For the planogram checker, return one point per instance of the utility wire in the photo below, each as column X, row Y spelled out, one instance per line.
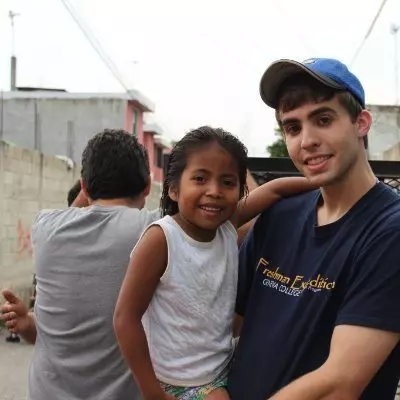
column 297, row 31
column 96, row 45
column 371, row 27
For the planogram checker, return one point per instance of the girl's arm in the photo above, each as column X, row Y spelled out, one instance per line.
column 265, row 195
column 147, row 265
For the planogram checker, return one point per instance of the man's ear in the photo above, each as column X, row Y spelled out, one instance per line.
column 147, row 189
column 84, row 189
column 82, row 199
column 364, row 122
column 173, row 193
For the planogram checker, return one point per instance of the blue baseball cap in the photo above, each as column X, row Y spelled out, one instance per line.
column 328, row 71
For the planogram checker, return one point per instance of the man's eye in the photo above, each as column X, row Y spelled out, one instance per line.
column 292, row 129
column 324, row 121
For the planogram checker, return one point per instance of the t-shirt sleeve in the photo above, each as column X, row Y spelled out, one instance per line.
column 373, row 296
column 248, row 256
column 41, row 219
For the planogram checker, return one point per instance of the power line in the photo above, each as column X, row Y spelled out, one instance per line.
column 96, row 45
column 297, row 31
column 394, row 31
column 371, row 27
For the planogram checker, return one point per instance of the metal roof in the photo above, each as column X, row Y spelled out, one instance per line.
column 133, row 95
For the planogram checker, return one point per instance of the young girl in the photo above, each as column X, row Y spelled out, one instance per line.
column 182, row 278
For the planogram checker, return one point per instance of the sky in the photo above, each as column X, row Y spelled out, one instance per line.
column 199, row 61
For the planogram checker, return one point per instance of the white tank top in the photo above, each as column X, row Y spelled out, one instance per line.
column 189, row 321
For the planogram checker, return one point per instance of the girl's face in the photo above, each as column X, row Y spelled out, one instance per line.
column 208, row 192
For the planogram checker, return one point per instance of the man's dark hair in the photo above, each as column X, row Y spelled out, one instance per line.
column 115, row 165
column 302, row 88
column 73, row 193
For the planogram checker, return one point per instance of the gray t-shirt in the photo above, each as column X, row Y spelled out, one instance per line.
column 81, row 256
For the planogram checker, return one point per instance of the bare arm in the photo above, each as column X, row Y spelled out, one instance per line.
column 265, row 195
column 237, row 325
column 143, row 275
column 244, row 230
column 17, row 317
column 356, row 355
column 29, row 335
column 251, row 182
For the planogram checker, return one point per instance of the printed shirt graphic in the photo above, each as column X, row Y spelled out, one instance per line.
column 297, row 281
column 292, row 286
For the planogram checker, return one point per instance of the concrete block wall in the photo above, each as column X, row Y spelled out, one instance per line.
column 392, row 154
column 385, row 130
column 29, row 182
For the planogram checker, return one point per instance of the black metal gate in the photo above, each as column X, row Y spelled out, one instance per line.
column 266, row 169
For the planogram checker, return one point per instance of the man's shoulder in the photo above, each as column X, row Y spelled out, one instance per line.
column 48, row 214
column 70, row 213
column 285, row 207
column 149, row 216
column 285, row 217
column 384, row 210
column 379, row 213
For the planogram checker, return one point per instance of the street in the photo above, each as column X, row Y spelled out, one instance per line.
column 14, row 364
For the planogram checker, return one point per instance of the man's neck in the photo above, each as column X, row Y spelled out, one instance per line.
column 339, row 198
column 127, row 202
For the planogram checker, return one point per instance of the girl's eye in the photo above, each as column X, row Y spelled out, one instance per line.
column 198, row 179
column 229, row 183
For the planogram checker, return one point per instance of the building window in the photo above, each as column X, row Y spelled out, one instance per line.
column 158, row 151
column 135, row 121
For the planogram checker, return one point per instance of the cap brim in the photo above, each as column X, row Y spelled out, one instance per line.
column 280, row 71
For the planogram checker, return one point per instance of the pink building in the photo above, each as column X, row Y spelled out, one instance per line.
column 150, row 135
column 156, row 146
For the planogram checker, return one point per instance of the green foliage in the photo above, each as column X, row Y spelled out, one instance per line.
column 278, row 148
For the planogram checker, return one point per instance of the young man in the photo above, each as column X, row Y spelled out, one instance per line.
column 81, row 256
column 319, row 280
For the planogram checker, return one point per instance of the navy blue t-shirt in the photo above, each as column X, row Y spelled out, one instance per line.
column 297, row 281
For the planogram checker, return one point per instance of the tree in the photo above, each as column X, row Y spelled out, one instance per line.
column 278, row 148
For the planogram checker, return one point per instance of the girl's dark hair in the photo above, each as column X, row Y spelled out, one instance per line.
column 191, row 142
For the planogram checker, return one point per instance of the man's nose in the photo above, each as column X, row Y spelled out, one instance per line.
column 309, row 137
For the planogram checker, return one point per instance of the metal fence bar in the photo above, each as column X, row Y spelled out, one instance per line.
column 265, row 169
column 284, row 166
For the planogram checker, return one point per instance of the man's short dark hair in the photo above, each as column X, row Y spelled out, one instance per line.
column 115, row 165
column 302, row 88
column 73, row 193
